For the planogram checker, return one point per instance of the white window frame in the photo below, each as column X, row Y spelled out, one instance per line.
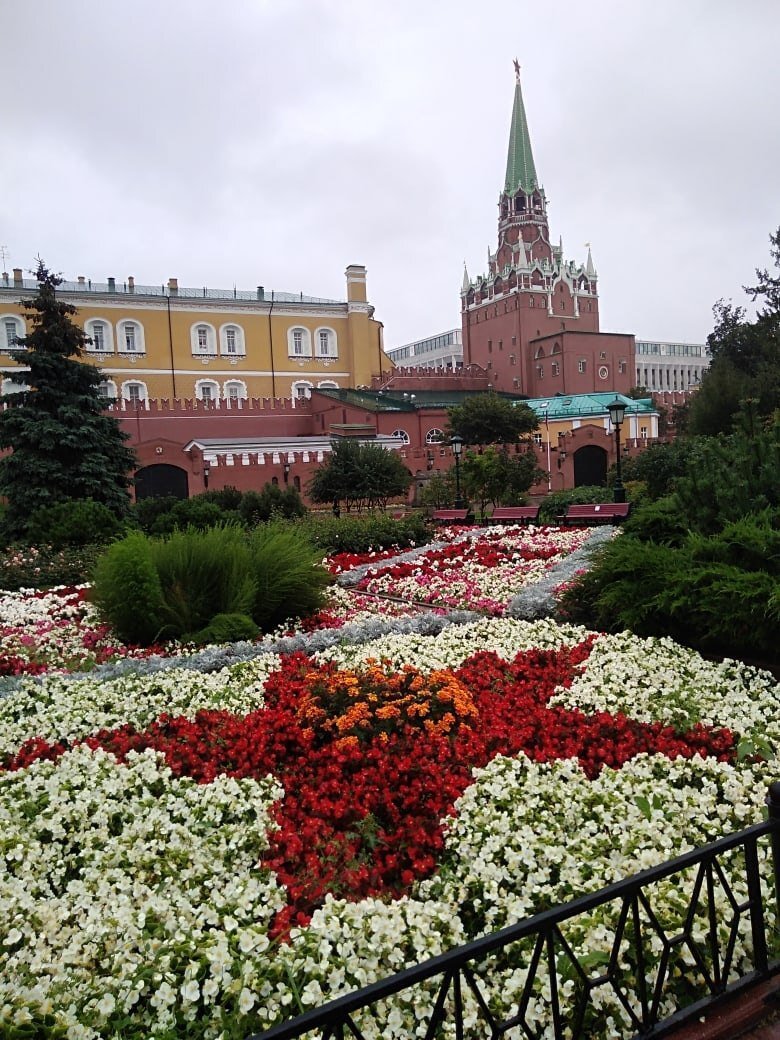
column 299, row 385
column 582, row 366
column 305, row 342
column 435, row 436
column 239, row 342
column 129, row 384
column 403, row 435
column 213, row 386
column 327, row 384
column 137, row 328
column 5, row 346
column 110, row 390
column 332, row 342
column 108, row 336
column 239, row 385
column 209, row 336
column 12, row 386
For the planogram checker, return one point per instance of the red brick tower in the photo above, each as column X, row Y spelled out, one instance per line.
column 533, row 320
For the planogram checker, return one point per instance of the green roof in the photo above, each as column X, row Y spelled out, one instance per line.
column 407, row 401
column 582, row 405
column 520, row 169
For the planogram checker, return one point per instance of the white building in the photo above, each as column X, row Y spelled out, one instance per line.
column 442, row 351
column 670, row 366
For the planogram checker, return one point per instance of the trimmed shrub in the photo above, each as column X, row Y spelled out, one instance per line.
column 226, row 628
column 289, row 580
column 202, row 574
column 71, row 523
column 214, row 586
column 556, row 503
column 190, row 512
column 358, row 534
column 128, row 592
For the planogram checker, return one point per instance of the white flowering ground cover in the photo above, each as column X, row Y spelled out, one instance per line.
column 132, row 903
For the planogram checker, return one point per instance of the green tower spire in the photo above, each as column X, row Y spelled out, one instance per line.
column 520, row 169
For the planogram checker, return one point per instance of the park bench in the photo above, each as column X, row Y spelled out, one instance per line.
column 450, row 516
column 514, row 515
column 596, row 513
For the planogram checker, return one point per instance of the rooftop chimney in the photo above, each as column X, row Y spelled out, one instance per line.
column 82, row 280
column 18, row 279
column 173, row 286
column 130, row 283
column 112, row 284
column 261, row 292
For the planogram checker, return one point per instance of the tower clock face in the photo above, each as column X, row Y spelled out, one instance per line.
column 603, row 372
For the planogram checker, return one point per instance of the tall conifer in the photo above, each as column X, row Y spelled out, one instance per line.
column 65, row 446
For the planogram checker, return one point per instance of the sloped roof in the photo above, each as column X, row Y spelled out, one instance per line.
column 577, row 406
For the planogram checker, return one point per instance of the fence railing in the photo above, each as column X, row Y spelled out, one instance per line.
column 465, row 988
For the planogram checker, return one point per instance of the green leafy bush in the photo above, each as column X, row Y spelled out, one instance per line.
column 72, row 522
column 30, row 567
column 146, row 511
column 358, row 534
column 289, row 581
column 752, row 543
column 257, row 507
column 226, row 628
column 658, row 590
column 210, row 585
column 128, row 592
column 556, row 503
column 194, row 512
column 660, row 521
column 227, row 498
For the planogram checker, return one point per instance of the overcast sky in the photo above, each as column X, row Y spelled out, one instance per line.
column 273, row 142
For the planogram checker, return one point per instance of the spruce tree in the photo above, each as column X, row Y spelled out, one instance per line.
column 65, row 446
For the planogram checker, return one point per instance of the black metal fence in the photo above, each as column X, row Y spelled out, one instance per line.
column 721, row 898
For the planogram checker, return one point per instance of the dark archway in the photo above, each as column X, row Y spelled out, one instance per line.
column 161, row 480
column 590, row 466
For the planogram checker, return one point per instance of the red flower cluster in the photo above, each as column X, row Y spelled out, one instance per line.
column 362, row 817
column 346, row 561
column 484, row 552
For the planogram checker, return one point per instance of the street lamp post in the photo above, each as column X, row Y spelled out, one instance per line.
column 287, row 472
column 617, row 413
column 457, row 448
column 206, row 474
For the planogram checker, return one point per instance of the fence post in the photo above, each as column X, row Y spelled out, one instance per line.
column 773, row 803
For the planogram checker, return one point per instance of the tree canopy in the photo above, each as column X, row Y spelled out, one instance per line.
column 65, row 446
column 360, row 475
column 500, row 477
column 745, row 357
column 490, row 419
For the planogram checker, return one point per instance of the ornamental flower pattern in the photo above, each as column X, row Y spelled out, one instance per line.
column 206, row 850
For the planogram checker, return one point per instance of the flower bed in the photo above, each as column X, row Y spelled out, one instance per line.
column 480, row 572
column 201, row 854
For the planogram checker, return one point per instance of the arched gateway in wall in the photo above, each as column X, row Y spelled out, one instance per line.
column 590, row 466
column 160, row 480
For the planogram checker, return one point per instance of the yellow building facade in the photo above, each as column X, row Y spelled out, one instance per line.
column 171, row 343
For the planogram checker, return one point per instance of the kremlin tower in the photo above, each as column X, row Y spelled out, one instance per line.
column 532, row 320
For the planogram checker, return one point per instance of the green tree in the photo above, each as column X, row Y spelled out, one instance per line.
column 363, row 476
column 65, row 446
column 499, row 477
column 745, row 358
column 490, row 419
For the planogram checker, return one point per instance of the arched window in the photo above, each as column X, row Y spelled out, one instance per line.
column 11, row 331
column 539, row 353
column 207, row 390
column 231, row 338
column 556, row 348
column 402, row 434
column 301, row 391
column 134, row 391
column 130, row 337
column 325, row 343
column 328, row 384
column 434, row 436
column 107, row 389
column 298, row 342
column 203, row 338
column 235, row 390
column 100, row 332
